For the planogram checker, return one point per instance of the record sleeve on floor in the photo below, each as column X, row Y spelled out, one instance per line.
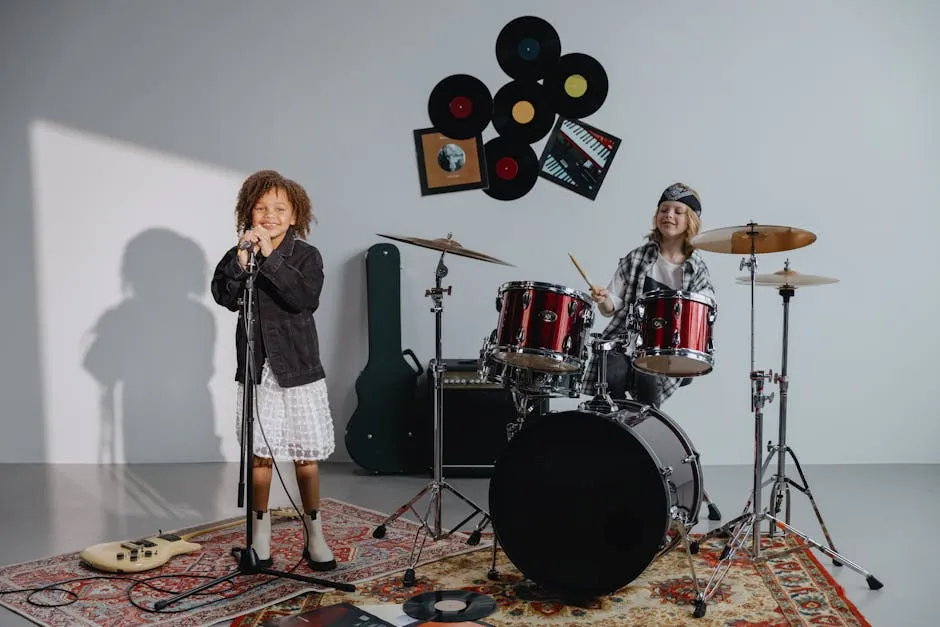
column 578, row 156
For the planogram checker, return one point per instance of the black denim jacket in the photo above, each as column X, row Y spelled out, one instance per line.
column 287, row 292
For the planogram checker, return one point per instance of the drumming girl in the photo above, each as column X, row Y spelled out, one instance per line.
column 666, row 262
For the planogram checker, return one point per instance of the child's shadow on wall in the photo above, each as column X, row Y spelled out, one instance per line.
column 152, row 356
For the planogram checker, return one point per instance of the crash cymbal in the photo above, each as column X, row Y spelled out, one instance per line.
column 786, row 278
column 736, row 240
column 446, row 244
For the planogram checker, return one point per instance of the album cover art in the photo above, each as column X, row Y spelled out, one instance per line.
column 578, row 156
column 449, row 165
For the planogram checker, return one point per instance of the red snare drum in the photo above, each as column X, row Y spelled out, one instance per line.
column 674, row 337
column 542, row 326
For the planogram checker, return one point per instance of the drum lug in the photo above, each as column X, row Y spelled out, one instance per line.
column 525, row 300
column 677, row 308
column 710, row 347
column 675, row 337
column 567, row 344
column 499, row 303
column 691, row 458
column 520, row 335
column 572, row 308
column 666, row 472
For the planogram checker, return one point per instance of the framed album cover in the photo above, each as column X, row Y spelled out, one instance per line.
column 449, row 165
column 577, row 156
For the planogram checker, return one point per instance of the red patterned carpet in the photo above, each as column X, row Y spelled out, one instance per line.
column 117, row 601
column 792, row 590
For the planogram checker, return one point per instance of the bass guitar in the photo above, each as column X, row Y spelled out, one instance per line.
column 134, row 556
column 383, row 433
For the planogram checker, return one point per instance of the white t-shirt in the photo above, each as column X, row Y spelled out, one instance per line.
column 667, row 273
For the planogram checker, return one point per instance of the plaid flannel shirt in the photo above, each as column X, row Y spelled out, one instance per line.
column 630, row 277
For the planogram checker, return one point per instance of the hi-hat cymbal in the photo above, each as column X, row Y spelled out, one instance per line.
column 736, row 240
column 786, row 278
column 446, row 244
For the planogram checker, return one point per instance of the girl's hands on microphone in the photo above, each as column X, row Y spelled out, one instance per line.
column 261, row 240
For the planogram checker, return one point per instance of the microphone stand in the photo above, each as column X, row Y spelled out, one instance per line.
column 248, row 562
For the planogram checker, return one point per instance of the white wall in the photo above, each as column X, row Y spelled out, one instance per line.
column 138, row 117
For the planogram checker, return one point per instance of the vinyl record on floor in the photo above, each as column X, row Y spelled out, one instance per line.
column 449, row 606
column 460, row 106
column 512, row 166
column 576, row 86
column 522, row 111
column 527, row 47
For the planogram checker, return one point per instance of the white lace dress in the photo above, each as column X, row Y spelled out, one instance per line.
column 292, row 423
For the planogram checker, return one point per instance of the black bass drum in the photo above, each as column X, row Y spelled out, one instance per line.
column 583, row 502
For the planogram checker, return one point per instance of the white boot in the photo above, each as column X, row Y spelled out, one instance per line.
column 261, row 537
column 317, row 552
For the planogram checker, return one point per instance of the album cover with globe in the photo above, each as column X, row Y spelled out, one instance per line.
column 449, row 165
column 578, row 156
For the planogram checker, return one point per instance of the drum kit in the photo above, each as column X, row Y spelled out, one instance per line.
column 583, row 501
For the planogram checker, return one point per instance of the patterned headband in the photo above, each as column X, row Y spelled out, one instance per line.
column 680, row 193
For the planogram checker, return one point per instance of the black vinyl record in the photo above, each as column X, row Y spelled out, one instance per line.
column 512, row 167
column 522, row 111
column 576, row 86
column 460, row 106
column 449, row 606
column 527, row 47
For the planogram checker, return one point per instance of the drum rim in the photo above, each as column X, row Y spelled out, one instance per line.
column 695, row 355
column 681, row 294
column 555, row 356
column 550, row 287
column 684, row 438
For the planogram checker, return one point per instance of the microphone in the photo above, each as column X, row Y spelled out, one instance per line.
column 245, row 245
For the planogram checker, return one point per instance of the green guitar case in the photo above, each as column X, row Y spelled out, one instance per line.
column 384, row 434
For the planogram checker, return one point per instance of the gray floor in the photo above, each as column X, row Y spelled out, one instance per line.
column 880, row 517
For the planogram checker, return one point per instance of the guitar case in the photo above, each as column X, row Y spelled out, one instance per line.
column 384, row 435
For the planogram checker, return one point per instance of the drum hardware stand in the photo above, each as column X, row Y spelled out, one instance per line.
column 436, row 487
column 748, row 524
column 248, row 562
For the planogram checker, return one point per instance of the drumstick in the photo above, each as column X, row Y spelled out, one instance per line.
column 578, row 266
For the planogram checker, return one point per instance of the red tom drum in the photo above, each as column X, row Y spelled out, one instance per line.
column 674, row 334
column 542, row 326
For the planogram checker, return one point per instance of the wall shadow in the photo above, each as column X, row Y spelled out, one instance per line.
column 152, row 356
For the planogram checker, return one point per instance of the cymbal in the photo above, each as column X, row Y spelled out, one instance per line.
column 447, row 245
column 786, row 278
column 736, row 240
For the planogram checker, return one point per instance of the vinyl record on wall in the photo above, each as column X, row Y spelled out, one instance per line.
column 512, row 168
column 527, row 47
column 522, row 111
column 576, row 86
column 460, row 106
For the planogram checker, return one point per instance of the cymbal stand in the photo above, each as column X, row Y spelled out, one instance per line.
column 436, row 487
column 748, row 524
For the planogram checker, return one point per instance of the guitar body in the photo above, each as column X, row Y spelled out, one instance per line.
column 383, row 433
column 135, row 556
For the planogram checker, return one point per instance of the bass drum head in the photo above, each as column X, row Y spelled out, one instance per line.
column 578, row 503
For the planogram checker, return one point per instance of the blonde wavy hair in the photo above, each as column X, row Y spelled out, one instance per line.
column 695, row 223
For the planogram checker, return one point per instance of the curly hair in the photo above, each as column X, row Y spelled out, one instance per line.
column 257, row 185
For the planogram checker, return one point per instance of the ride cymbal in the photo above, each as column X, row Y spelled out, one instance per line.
column 446, row 244
column 737, row 240
column 786, row 278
